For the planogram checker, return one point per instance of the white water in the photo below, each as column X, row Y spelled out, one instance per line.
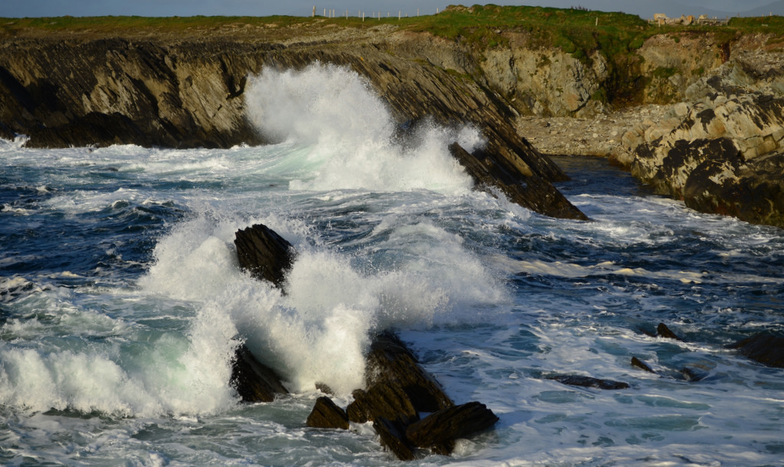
column 121, row 300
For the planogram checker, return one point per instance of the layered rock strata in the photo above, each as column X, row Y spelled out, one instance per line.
column 190, row 93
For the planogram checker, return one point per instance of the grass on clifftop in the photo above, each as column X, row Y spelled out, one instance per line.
column 576, row 31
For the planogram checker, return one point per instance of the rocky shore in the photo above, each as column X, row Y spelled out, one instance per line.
column 695, row 113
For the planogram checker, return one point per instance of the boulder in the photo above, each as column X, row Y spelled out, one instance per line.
column 264, row 254
column 326, row 414
column 439, row 431
column 589, row 382
column 254, row 381
column 765, row 347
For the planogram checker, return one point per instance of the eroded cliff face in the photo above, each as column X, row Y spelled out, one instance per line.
column 190, row 92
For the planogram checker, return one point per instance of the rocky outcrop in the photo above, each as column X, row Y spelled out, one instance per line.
column 546, row 81
column 263, row 253
column 589, row 382
column 719, row 155
column 189, row 92
column 765, row 347
column 326, row 414
column 397, row 388
column 253, row 380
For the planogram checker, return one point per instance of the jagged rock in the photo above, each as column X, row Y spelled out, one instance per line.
column 439, row 430
column 326, row 414
column 264, row 253
column 765, row 347
column 391, row 363
column 393, row 437
column 636, row 362
column 382, row 401
column 189, row 92
column 724, row 155
column 521, row 190
column 663, row 331
column 254, row 381
column 589, row 382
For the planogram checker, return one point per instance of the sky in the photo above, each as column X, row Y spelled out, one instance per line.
column 643, row 8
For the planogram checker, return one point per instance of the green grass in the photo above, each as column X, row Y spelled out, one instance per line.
column 582, row 33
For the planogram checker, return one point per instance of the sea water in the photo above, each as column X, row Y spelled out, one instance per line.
column 121, row 300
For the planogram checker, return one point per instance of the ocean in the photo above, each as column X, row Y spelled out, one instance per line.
column 121, row 299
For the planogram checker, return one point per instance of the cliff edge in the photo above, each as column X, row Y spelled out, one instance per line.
column 158, row 88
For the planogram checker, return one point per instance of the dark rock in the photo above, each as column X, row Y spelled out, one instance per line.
column 691, row 374
column 391, row 363
column 326, row 414
column 393, row 437
column 382, row 401
column 324, row 388
column 439, row 430
column 663, row 331
column 189, row 92
column 589, row 382
column 766, row 348
column 526, row 190
column 254, row 381
column 264, row 253
column 636, row 362
column 752, row 191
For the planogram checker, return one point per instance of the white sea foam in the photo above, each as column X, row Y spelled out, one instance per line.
column 350, row 133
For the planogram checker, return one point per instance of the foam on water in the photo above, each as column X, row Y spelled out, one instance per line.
column 351, row 133
column 121, row 300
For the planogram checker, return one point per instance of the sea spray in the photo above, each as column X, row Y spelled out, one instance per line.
column 351, row 133
column 320, row 330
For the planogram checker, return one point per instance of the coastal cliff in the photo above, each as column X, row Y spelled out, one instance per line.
column 181, row 83
column 188, row 91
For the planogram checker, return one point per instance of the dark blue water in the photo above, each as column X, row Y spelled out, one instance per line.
column 121, row 302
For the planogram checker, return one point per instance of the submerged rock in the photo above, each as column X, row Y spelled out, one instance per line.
column 254, row 381
column 589, row 382
column 636, row 362
column 766, row 348
column 663, row 331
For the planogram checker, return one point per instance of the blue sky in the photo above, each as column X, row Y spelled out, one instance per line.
column 644, row 8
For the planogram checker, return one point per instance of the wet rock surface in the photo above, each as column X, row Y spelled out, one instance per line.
column 264, row 254
column 253, row 380
column 765, row 347
column 190, row 92
column 397, row 387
